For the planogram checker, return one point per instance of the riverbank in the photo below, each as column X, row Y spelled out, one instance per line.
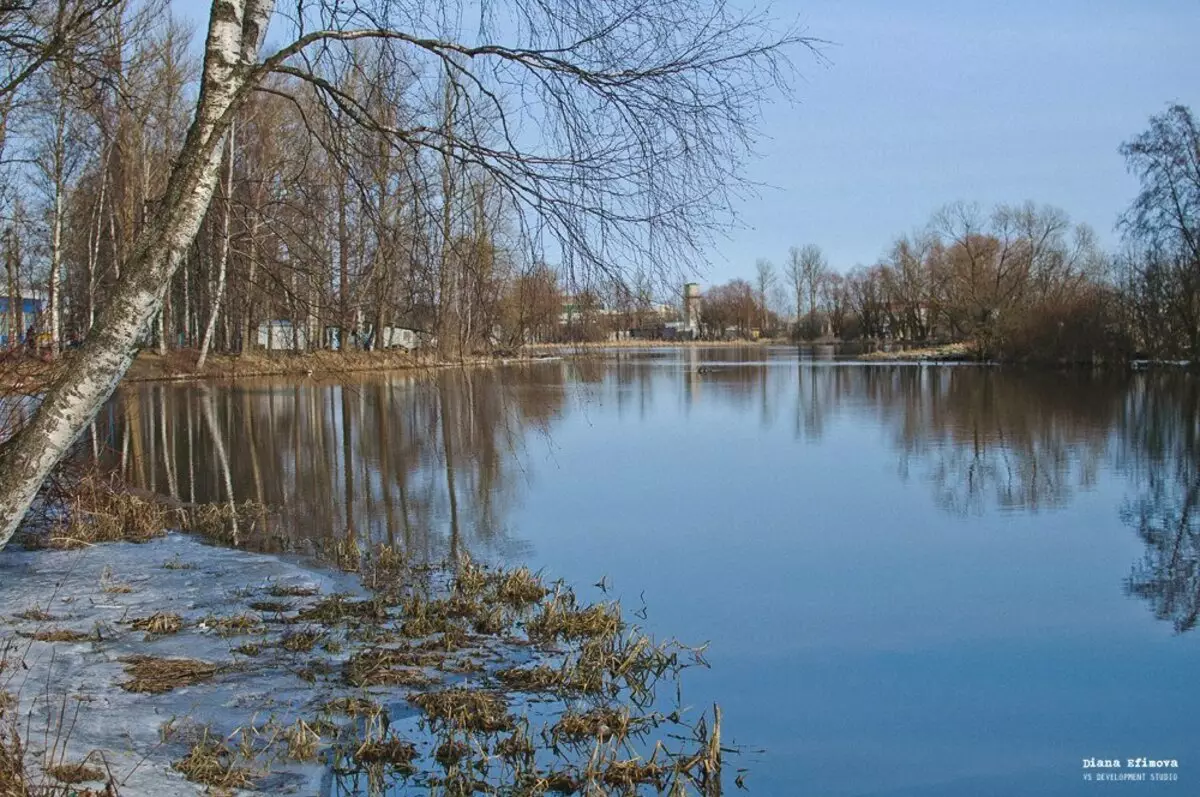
column 950, row 352
column 23, row 374
column 143, row 661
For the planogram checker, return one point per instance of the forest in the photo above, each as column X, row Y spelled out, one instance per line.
column 1018, row 281
column 323, row 234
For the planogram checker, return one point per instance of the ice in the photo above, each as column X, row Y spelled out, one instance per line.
column 51, row 679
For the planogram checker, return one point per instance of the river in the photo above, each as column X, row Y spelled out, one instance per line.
column 913, row 579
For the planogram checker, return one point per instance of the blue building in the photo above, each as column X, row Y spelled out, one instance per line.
column 31, row 306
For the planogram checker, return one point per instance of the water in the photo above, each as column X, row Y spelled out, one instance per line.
column 915, row 580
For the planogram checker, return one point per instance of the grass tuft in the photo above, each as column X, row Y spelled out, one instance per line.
column 74, row 773
column 155, row 675
column 467, row 709
column 159, row 624
column 212, row 763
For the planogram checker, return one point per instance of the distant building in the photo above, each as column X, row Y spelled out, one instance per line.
column 282, row 335
column 691, row 308
column 28, row 312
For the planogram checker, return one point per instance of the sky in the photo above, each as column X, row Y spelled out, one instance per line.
column 927, row 102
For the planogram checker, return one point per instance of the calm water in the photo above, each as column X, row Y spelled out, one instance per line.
column 915, row 580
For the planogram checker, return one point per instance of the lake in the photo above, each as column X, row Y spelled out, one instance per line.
column 913, row 579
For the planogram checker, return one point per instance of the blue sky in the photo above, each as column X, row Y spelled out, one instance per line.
column 923, row 103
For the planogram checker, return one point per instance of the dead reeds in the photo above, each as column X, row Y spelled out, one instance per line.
column 465, row 709
column 154, row 675
column 158, row 624
column 212, row 762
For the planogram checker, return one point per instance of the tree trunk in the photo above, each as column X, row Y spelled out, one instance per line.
column 26, row 459
column 222, row 260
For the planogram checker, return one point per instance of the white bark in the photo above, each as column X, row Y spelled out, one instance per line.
column 222, row 259
column 234, row 36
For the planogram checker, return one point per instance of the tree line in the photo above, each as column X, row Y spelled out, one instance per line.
column 1017, row 281
column 349, row 168
column 365, row 186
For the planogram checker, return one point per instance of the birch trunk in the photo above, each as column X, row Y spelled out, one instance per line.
column 26, row 459
column 222, row 260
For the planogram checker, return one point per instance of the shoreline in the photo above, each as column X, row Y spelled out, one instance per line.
column 26, row 375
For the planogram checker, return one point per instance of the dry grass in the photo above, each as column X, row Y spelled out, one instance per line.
column 560, row 618
column 466, row 709
column 155, row 675
column 249, row 649
column 36, row 615
column 234, row 624
column 397, row 753
column 159, row 624
column 271, row 607
column 337, row 609
column 212, row 763
column 74, row 773
column 59, row 635
column 12, row 755
column 389, row 667
column 352, row 707
column 599, row 724
column 520, row 587
column 99, row 511
column 302, row 741
column 301, row 641
column 291, row 591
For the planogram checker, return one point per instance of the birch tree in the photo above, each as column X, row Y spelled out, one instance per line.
column 617, row 132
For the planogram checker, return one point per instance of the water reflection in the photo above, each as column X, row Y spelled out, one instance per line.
column 1158, row 448
column 433, row 464
column 438, row 463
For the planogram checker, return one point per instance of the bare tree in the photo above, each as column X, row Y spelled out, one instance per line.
column 764, row 282
column 1163, row 226
column 636, row 104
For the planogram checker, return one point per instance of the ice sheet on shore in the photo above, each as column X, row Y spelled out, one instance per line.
column 201, row 581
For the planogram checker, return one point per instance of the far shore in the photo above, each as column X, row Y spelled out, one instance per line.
column 21, row 374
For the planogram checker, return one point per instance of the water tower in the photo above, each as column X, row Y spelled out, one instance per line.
column 691, row 308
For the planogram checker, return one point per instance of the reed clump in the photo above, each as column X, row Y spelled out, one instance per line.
column 599, row 724
column 389, row 667
column 520, row 587
column 158, row 624
column 338, row 609
column 465, row 709
column 302, row 741
column 271, row 607
column 234, row 624
column 301, row 641
column 291, row 591
column 213, row 763
column 390, row 750
column 154, row 675
column 58, row 635
column 352, row 706
column 223, row 522
column 13, row 781
column 74, row 773
column 562, row 618
column 97, row 511
column 36, row 615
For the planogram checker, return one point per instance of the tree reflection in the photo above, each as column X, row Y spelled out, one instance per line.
column 1159, row 450
column 435, row 462
column 432, row 463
